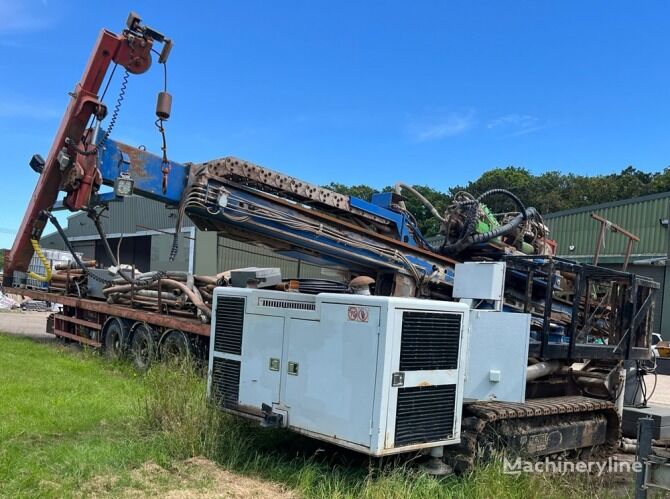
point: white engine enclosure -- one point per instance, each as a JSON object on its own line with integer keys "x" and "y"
{"x": 330, "y": 365}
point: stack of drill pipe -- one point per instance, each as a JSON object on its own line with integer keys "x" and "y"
{"x": 67, "y": 281}
{"x": 74, "y": 265}
{"x": 179, "y": 293}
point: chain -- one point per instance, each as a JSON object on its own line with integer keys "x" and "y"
{"x": 165, "y": 162}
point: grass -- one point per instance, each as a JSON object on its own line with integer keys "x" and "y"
{"x": 68, "y": 418}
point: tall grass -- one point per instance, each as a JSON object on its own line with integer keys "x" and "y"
{"x": 175, "y": 403}
{"x": 73, "y": 425}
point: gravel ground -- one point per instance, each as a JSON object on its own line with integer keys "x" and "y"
{"x": 662, "y": 393}
{"x": 30, "y": 324}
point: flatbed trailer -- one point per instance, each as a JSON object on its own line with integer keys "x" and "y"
{"x": 90, "y": 322}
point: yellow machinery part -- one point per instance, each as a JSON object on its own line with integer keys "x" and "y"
{"x": 47, "y": 276}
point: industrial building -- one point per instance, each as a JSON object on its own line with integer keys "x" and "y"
{"x": 577, "y": 234}
{"x": 145, "y": 229}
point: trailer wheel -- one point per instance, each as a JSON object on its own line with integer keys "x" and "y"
{"x": 175, "y": 346}
{"x": 143, "y": 346}
{"x": 114, "y": 338}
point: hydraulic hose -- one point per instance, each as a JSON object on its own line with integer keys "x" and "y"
{"x": 504, "y": 192}
{"x": 103, "y": 238}
{"x": 67, "y": 242}
{"x": 400, "y": 185}
{"x": 113, "y": 259}
{"x": 463, "y": 243}
{"x": 47, "y": 268}
{"x": 469, "y": 237}
{"x": 503, "y": 229}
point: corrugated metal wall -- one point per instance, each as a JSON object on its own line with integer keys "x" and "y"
{"x": 134, "y": 214}
{"x": 640, "y": 216}
{"x": 212, "y": 253}
{"x": 656, "y": 273}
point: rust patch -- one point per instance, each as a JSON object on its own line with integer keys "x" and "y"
{"x": 138, "y": 160}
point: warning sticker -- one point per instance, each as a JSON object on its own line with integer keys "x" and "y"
{"x": 358, "y": 314}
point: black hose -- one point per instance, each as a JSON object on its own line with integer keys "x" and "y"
{"x": 103, "y": 238}
{"x": 502, "y": 230}
{"x": 471, "y": 206}
{"x": 110, "y": 253}
{"x": 67, "y": 242}
{"x": 505, "y": 192}
{"x": 81, "y": 265}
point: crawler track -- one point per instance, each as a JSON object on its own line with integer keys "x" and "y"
{"x": 538, "y": 427}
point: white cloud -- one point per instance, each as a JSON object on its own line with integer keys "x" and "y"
{"x": 514, "y": 125}
{"x": 453, "y": 124}
{"x": 513, "y": 120}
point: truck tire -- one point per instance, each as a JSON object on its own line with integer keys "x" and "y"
{"x": 175, "y": 346}
{"x": 143, "y": 346}
{"x": 114, "y": 338}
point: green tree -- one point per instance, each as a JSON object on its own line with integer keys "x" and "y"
{"x": 548, "y": 192}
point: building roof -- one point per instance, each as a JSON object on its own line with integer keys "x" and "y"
{"x": 601, "y": 206}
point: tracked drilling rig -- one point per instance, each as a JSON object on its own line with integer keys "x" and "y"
{"x": 483, "y": 340}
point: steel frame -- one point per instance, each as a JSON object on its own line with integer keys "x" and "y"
{"x": 639, "y": 294}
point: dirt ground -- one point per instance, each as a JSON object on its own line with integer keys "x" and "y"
{"x": 196, "y": 478}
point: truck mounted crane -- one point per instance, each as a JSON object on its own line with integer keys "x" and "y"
{"x": 486, "y": 339}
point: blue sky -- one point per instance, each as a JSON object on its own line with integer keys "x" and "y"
{"x": 357, "y": 92}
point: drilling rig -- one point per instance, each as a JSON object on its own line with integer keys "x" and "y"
{"x": 484, "y": 340}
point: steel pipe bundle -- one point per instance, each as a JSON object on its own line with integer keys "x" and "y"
{"x": 180, "y": 293}
{"x": 172, "y": 292}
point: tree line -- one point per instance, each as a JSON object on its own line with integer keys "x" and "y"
{"x": 548, "y": 192}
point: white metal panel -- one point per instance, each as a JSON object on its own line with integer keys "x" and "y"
{"x": 262, "y": 340}
{"x": 387, "y": 338}
{"x": 479, "y": 280}
{"x": 333, "y": 392}
{"x": 427, "y": 378}
{"x": 498, "y": 347}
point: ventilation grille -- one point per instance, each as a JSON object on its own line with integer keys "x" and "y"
{"x": 425, "y": 414}
{"x": 229, "y": 325}
{"x": 226, "y": 382}
{"x": 429, "y": 341}
{"x": 294, "y": 305}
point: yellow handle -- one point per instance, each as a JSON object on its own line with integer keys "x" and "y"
{"x": 45, "y": 262}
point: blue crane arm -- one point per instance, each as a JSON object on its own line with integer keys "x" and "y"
{"x": 145, "y": 170}
{"x": 313, "y": 233}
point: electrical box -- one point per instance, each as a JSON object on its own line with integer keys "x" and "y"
{"x": 380, "y": 375}
{"x": 263, "y": 277}
{"x": 497, "y": 356}
{"x": 479, "y": 280}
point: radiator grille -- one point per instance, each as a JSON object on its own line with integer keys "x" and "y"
{"x": 425, "y": 414}
{"x": 429, "y": 341}
{"x": 294, "y": 305}
{"x": 229, "y": 325}
{"x": 226, "y": 382}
